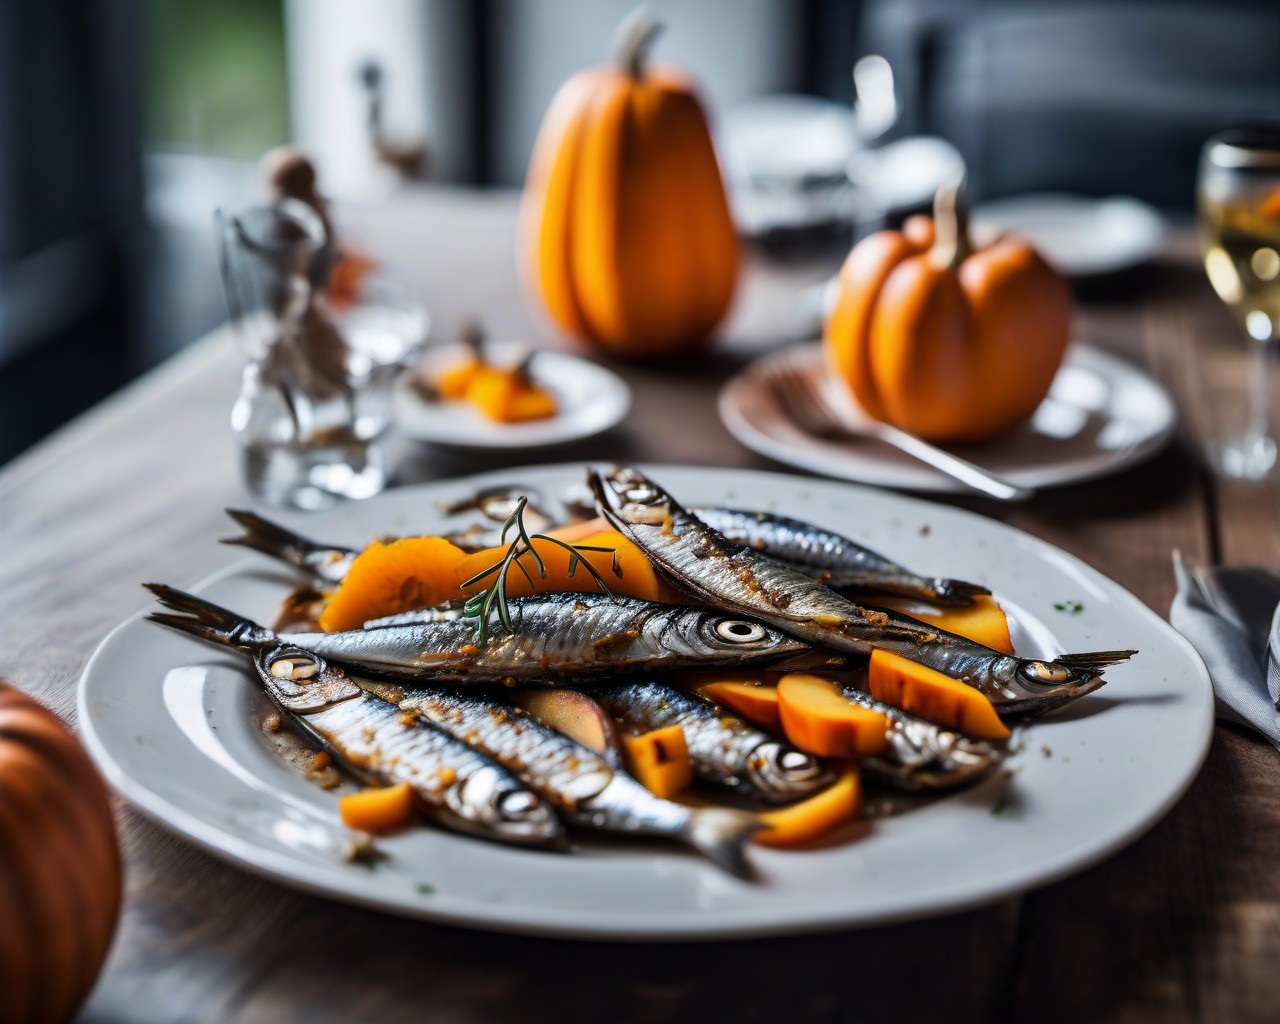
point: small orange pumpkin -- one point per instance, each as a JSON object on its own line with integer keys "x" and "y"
{"x": 943, "y": 340}
{"x": 626, "y": 234}
{"x": 59, "y": 865}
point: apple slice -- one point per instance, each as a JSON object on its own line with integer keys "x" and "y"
{"x": 818, "y": 718}
{"x": 819, "y": 814}
{"x": 934, "y": 696}
{"x": 660, "y": 760}
{"x": 578, "y": 716}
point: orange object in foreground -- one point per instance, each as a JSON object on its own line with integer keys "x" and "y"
{"x": 377, "y": 810}
{"x": 983, "y": 620}
{"x": 421, "y": 572}
{"x": 812, "y": 818}
{"x": 933, "y": 696}
{"x": 660, "y": 760}
{"x": 625, "y": 232}
{"x": 817, "y": 718}
{"x": 59, "y": 865}
{"x": 943, "y": 340}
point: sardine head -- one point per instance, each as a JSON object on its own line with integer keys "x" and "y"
{"x": 781, "y": 770}
{"x": 488, "y": 798}
{"x": 717, "y": 636}
{"x": 301, "y": 682}
{"x": 631, "y": 497}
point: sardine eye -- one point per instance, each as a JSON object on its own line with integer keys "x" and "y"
{"x": 740, "y": 631}
{"x": 294, "y": 666}
{"x": 516, "y": 803}
{"x": 1046, "y": 672}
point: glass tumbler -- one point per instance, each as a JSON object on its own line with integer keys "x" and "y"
{"x": 315, "y": 396}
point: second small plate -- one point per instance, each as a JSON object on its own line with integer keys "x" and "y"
{"x": 1101, "y": 416}
{"x": 591, "y": 399}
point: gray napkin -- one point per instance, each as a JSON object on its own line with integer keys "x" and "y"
{"x": 1231, "y": 615}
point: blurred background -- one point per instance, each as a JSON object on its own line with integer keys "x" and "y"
{"x": 123, "y": 125}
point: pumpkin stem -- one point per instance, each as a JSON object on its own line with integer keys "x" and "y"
{"x": 634, "y": 38}
{"x": 951, "y": 225}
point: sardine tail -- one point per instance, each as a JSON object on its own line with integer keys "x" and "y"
{"x": 723, "y": 835}
{"x": 1094, "y": 661}
{"x": 205, "y": 619}
{"x": 958, "y": 591}
{"x": 270, "y": 538}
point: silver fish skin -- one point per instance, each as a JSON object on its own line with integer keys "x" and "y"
{"x": 740, "y": 580}
{"x": 838, "y": 561}
{"x": 554, "y": 638}
{"x": 922, "y": 756}
{"x": 726, "y": 752}
{"x": 454, "y": 785}
{"x": 580, "y": 783}
{"x": 833, "y": 559}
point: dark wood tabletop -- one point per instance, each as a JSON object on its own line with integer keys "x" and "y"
{"x": 1183, "y": 925}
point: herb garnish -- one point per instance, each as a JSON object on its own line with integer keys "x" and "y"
{"x": 494, "y": 598}
{"x": 1074, "y": 607}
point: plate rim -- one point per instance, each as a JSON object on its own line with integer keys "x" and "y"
{"x": 930, "y": 481}
{"x": 605, "y": 925}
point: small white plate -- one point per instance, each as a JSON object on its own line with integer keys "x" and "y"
{"x": 590, "y": 398}
{"x": 171, "y": 723}
{"x": 1101, "y": 416}
{"x": 1082, "y": 237}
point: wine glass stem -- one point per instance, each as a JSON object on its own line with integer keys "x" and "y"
{"x": 1263, "y": 350}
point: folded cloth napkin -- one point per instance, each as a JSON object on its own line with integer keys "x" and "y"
{"x": 1231, "y": 615}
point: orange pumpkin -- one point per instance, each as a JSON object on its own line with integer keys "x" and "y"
{"x": 943, "y": 340}
{"x": 626, "y": 234}
{"x": 59, "y": 865}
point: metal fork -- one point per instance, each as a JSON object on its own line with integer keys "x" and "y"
{"x": 804, "y": 401}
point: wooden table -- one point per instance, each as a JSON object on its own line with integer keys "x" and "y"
{"x": 1182, "y": 925}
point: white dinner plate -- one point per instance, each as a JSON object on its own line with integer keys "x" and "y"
{"x": 1079, "y": 235}
{"x": 171, "y": 722}
{"x": 1101, "y": 416}
{"x": 590, "y": 400}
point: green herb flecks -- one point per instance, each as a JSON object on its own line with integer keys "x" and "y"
{"x": 423, "y": 889}
{"x": 1070, "y": 607}
{"x": 493, "y": 599}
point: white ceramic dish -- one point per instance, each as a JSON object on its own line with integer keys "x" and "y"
{"x": 591, "y": 400}
{"x": 1082, "y": 237}
{"x": 1102, "y": 415}
{"x": 171, "y": 722}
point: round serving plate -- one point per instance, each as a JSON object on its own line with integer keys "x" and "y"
{"x": 173, "y": 724}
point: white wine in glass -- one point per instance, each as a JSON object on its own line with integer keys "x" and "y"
{"x": 1239, "y": 204}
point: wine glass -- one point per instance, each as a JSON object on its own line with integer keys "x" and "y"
{"x": 1239, "y": 207}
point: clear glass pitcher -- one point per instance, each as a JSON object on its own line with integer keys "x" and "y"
{"x": 316, "y": 393}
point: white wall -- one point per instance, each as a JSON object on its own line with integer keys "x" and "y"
{"x": 733, "y": 48}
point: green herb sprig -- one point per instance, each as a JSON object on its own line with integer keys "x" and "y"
{"x": 494, "y": 598}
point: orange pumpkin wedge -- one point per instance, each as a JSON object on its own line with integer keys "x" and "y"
{"x": 420, "y": 572}
{"x": 377, "y": 810}
{"x": 509, "y": 396}
{"x": 928, "y": 693}
{"x": 660, "y": 760}
{"x": 983, "y": 621}
{"x": 815, "y": 816}
{"x": 757, "y": 704}
{"x": 817, "y": 718}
